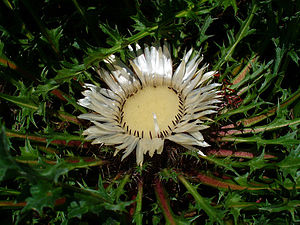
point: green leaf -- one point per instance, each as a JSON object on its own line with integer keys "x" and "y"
{"x": 28, "y": 150}
{"x": 72, "y": 101}
{"x": 7, "y": 191}
{"x": 269, "y": 112}
{"x": 294, "y": 56}
{"x": 77, "y": 209}
{"x": 53, "y": 37}
{"x": 54, "y": 169}
{"x": 101, "y": 53}
{"x": 111, "y": 221}
{"x": 297, "y": 110}
{"x": 6, "y": 160}
{"x": 289, "y": 206}
{"x": 120, "y": 189}
{"x": 164, "y": 203}
{"x": 102, "y": 191}
{"x": 203, "y": 203}
{"x": 43, "y": 195}
{"x": 233, "y": 199}
{"x": 227, "y": 3}
{"x": 226, "y": 163}
{"x": 239, "y": 183}
{"x": 291, "y": 163}
{"x": 26, "y": 102}
{"x": 69, "y": 72}
{"x": 286, "y": 140}
{"x": 257, "y": 162}
{"x": 243, "y": 32}
{"x": 276, "y": 124}
{"x": 115, "y": 37}
{"x": 120, "y": 206}
{"x": 44, "y": 89}
{"x": 50, "y": 138}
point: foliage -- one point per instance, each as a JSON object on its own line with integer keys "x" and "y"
{"x": 50, "y": 175}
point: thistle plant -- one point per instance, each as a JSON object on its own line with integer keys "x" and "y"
{"x": 210, "y": 86}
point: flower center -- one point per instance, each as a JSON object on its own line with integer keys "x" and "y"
{"x": 151, "y": 112}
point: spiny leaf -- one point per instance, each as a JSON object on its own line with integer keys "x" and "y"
{"x": 286, "y": 140}
{"x": 12, "y": 204}
{"x": 72, "y": 101}
{"x": 243, "y": 78}
{"x": 6, "y": 160}
{"x": 233, "y": 199}
{"x": 227, "y": 164}
{"x": 214, "y": 214}
{"x": 64, "y": 116}
{"x": 276, "y": 124}
{"x": 238, "y": 154}
{"x": 53, "y": 138}
{"x": 241, "y": 109}
{"x": 68, "y": 72}
{"x": 257, "y": 162}
{"x": 242, "y": 75}
{"x": 69, "y": 162}
{"x": 239, "y": 184}
{"x": 243, "y": 32}
{"x": 291, "y": 163}
{"x": 7, "y": 191}
{"x": 4, "y": 61}
{"x": 232, "y": 3}
{"x": 115, "y": 37}
{"x": 43, "y": 195}
{"x": 101, "y": 53}
{"x": 50, "y": 37}
{"x": 269, "y": 112}
{"x": 289, "y": 206}
{"x": 44, "y": 89}
{"x": 26, "y": 102}
{"x": 53, "y": 36}
{"x": 120, "y": 189}
{"x": 164, "y": 204}
{"x": 28, "y": 150}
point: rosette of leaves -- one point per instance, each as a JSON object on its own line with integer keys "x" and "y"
{"x": 51, "y": 174}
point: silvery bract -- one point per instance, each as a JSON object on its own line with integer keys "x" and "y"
{"x": 151, "y": 68}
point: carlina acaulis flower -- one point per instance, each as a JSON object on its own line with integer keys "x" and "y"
{"x": 149, "y": 103}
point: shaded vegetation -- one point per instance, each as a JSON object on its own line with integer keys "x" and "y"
{"x": 50, "y": 175}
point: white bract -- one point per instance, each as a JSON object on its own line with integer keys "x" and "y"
{"x": 150, "y": 103}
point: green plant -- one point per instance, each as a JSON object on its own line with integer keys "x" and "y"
{"x": 50, "y": 174}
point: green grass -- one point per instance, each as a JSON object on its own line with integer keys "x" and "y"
{"x": 50, "y": 175}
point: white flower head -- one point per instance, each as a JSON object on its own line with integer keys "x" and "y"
{"x": 149, "y": 103}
